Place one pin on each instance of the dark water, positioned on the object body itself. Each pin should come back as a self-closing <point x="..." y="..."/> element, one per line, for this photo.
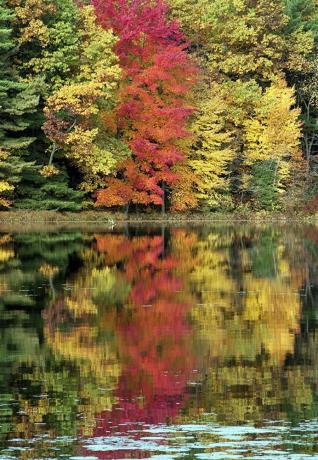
<point x="162" y="343"/>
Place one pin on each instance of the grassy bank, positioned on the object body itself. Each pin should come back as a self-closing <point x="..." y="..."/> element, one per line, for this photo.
<point x="101" y="217"/>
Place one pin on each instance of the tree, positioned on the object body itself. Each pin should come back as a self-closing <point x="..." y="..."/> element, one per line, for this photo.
<point x="303" y="17"/>
<point x="272" y="142"/>
<point x="153" y="110"/>
<point x="48" y="38"/>
<point x="74" y="113"/>
<point x="212" y="152"/>
<point x="47" y="49"/>
<point x="18" y="101"/>
<point x="244" y="37"/>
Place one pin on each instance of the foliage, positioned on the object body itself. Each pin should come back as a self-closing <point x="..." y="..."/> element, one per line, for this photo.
<point x="212" y="152"/>
<point x="48" y="39"/>
<point x="51" y="193"/>
<point x="272" y="142"/>
<point x="154" y="90"/>
<point x="74" y="112"/>
<point x="183" y="104"/>
<point x="18" y="101"/>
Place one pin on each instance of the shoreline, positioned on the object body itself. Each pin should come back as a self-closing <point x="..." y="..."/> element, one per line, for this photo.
<point x="113" y="218"/>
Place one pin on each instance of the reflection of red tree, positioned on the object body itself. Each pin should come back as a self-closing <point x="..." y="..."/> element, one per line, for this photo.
<point x="153" y="332"/>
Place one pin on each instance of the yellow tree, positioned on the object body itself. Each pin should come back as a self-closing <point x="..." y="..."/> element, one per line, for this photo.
<point x="212" y="152"/>
<point x="272" y="143"/>
<point x="244" y="37"/>
<point x="75" y="111"/>
<point x="245" y="46"/>
<point x="217" y="152"/>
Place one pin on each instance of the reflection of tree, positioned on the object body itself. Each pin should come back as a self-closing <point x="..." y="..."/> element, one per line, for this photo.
<point x="34" y="264"/>
<point x="247" y="317"/>
<point x="79" y="328"/>
<point x="126" y="320"/>
<point x="152" y="330"/>
<point x="22" y="287"/>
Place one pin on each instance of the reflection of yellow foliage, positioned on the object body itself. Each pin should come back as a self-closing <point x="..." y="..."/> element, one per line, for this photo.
<point x="5" y="239"/>
<point x="275" y="309"/>
<point x="95" y="358"/>
<point x="98" y="365"/>
<point x="81" y="306"/>
<point x="48" y="270"/>
<point x="81" y="345"/>
<point x="240" y="317"/>
<point x="246" y="324"/>
<point x="3" y="287"/>
<point x="88" y="286"/>
<point x="6" y="254"/>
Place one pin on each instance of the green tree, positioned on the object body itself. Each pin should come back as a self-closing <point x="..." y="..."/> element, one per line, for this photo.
<point x="18" y="100"/>
<point x="47" y="40"/>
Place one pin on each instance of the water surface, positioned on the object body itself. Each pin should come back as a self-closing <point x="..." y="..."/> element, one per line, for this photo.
<point x="159" y="343"/>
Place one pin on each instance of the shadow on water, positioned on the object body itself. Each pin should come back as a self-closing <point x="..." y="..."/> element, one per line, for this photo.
<point x="193" y="342"/>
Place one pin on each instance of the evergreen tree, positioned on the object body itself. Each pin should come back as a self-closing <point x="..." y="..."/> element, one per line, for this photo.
<point x="18" y="100"/>
<point x="48" y="54"/>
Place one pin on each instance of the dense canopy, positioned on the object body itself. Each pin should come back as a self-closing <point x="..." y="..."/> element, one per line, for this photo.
<point x="175" y="105"/>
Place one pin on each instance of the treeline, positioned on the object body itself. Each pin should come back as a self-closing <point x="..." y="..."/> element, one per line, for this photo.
<point x="195" y="104"/>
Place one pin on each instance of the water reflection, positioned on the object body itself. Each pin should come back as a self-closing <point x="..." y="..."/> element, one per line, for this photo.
<point x="192" y="343"/>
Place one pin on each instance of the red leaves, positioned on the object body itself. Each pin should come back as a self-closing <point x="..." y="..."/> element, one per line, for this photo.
<point x="133" y="21"/>
<point x="152" y="111"/>
<point x="153" y="330"/>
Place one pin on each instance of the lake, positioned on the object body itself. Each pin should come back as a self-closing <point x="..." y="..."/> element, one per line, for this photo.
<point x="154" y="342"/>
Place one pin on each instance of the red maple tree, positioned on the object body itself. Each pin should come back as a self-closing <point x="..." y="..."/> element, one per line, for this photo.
<point x="153" y="108"/>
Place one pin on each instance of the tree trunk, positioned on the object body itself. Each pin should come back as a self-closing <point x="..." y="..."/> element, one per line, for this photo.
<point x="163" y="205"/>
<point x="127" y="209"/>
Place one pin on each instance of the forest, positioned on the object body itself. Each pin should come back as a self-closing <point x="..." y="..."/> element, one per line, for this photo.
<point x="159" y="105"/>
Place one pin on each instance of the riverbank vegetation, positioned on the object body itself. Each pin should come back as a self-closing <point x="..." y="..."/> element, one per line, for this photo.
<point x="184" y="106"/>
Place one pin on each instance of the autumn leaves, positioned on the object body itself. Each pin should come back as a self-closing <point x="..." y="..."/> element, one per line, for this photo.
<point x="147" y="105"/>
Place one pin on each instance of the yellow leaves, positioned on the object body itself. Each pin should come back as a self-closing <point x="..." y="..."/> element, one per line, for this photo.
<point x="5" y="186"/>
<point x="242" y="38"/>
<point x="49" y="171"/>
<point x="30" y="13"/>
<point x="82" y="149"/>
<point x="274" y="132"/>
<point x="182" y="197"/>
<point x="99" y="63"/>
<point x="212" y="150"/>
<point x="36" y="29"/>
<point x="78" y="99"/>
<point x="6" y="254"/>
<point x="81" y="141"/>
<point x="75" y="111"/>
<point x="299" y="44"/>
<point x="238" y="125"/>
<point x="48" y="271"/>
